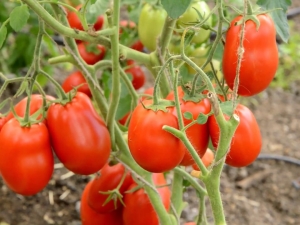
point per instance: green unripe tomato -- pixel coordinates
(151, 22)
(191, 15)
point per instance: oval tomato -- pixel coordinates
(3, 120)
(110, 177)
(74, 80)
(198, 133)
(137, 45)
(138, 76)
(26, 158)
(148, 33)
(260, 58)
(89, 216)
(91, 53)
(207, 159)
(153, 148)
(138, 209)
(79, 136)
(36, 102)
(191, 15)
(246, 142)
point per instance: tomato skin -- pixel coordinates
(3, 121)
(153, 148)
(246, 143)
(138, 208)
(109, 179)
(260, 59)
(190, 223)
(91, 57)
(207, 159)
(89, 216)
(36, 103)
(198, 133)
(148, 33)
(138, 76)
(79, 136)
(138, 45)
(26, 158)
(75, 79)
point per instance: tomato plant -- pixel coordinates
(260, 57)
(74, 80)
(138, 207)
(109, 179)
(153, 149)
(91, 53)
(81, 141)
(89, 216)
(246, 142)
(26, 159)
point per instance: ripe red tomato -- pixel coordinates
(26, 158)
(76, 24)
(138, 76)
(3, 120)
(124, 119)
(75, 79)
(110, 177)
(260, 59)
(91, 53)
(153, 148)
(138, 209)
(36, 103)
(138, 45)
(207, 159)
(89, 216)
(198, 133)
(79, 136)
(246, 142)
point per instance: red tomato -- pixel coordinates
(190, 223)
(138, 76)
(138, 45)
(138, 209)
(127, 24)
(79, 136)
(76, 24)
(91, 53)
(91, 217)
(3, 120)
(110, 177)
(153, 148)
(198, 133)
(207, 159)
(36, 103)
(246, 142)
(260, 59)
(75, 79)
(124, 119)
(26, 158)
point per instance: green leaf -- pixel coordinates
(279, 15)
(202, 118)
(18, 17)
(188, 115)
(3, 33)
(96, 9)
(227, 108)
(175, 8)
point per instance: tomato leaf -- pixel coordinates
(278, 15)
(18, 17)
(188, 115)
(175, 8)
(227, 107)
(3, 33)
(202, 118)
(94, 10)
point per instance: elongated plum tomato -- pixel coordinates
(109, 178)
(26, 158)
(246, 142)
(89, 216)
(138, 209)
(197, 133)
(260, 57)
(91, 53)
(74, 80)
(153, 148)
(79, 136)
(138, 76)
(36, 102)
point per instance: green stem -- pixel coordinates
(201, 220)
(130, 88)
(166, 35)
(177, 194)
(61, 59)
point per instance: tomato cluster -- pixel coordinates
(114, 197)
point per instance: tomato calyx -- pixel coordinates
(162, 105)
(249, 17)
(113, 195)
